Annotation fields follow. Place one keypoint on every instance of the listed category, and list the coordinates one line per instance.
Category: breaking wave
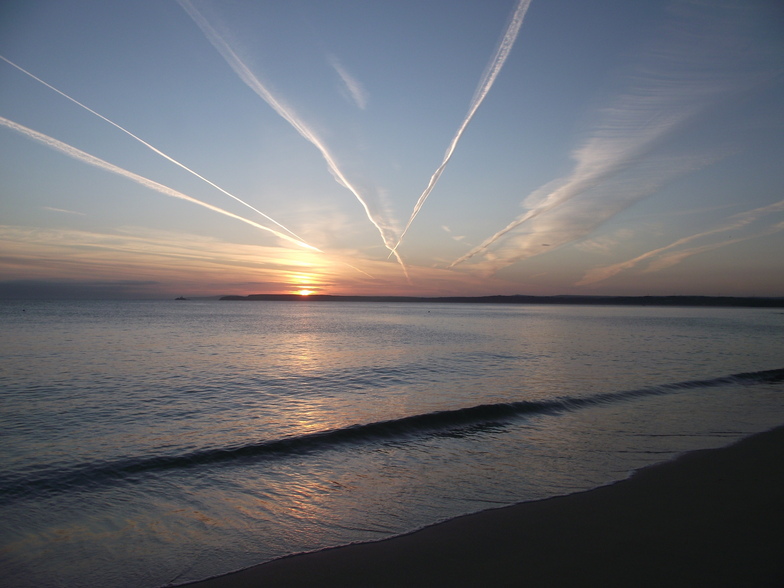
(448, 422)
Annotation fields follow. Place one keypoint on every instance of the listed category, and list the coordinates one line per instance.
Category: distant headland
(734, 301)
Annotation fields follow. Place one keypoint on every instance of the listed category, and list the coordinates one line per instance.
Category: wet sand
(712, 518)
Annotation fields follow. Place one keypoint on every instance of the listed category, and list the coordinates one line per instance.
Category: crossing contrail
(146, 144)
(287, 113)
(485, 83)
(80, 155)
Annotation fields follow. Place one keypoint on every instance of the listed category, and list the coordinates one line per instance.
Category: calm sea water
(153, 443)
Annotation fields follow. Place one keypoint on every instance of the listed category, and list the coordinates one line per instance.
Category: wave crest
(457, 422)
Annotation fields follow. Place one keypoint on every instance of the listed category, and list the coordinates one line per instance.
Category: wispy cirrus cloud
(449, 231)
(585, 212)
(673, 253)
(356, 91)
(185, 263)
(61, 210)
(687, 71)
(144, 255)
(604, 244)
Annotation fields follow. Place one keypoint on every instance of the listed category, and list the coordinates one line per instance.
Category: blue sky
(464, 147)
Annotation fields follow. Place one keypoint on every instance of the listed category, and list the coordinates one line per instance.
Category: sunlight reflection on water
(98, 387)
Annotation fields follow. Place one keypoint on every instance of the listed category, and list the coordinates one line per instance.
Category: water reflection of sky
(128, 381)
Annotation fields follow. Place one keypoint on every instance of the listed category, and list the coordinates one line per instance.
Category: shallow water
(147, 443)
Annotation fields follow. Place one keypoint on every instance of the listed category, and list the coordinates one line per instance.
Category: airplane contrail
(739, 221)
(485, 83)
(492, 239)
(146, 144)
(285, 112)
(567, 224)
(673, 85)
(605, 155)
(105, 165)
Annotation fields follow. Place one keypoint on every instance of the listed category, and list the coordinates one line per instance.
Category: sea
(155, 443)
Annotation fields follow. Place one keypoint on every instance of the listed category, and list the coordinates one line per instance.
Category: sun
(304, 292)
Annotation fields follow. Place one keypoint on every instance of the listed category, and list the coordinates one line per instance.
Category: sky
(159, 148)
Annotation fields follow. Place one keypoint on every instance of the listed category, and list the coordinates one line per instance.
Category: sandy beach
(710, 518)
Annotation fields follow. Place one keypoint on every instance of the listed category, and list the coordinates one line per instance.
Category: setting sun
(305, 292)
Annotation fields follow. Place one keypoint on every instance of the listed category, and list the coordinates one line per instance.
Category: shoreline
(711, 517)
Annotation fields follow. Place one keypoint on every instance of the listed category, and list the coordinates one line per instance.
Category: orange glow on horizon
(305, 292)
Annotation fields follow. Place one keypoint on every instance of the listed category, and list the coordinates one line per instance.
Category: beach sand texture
(712, 518)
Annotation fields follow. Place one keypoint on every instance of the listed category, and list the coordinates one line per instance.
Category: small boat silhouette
(181, 298)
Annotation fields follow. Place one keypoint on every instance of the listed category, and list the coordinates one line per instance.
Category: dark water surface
(147, 443)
